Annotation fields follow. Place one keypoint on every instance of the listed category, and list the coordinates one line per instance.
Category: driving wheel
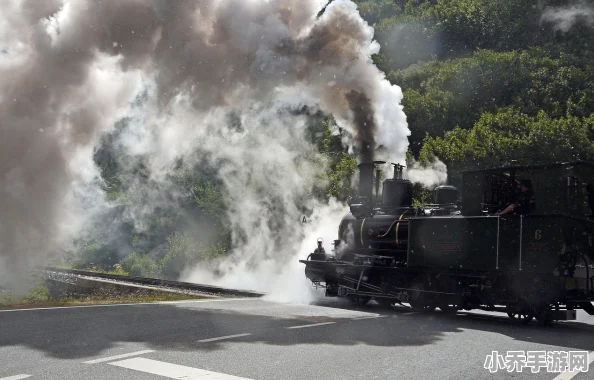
(521, 313)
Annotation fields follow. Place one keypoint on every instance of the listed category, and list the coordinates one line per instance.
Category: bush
(38, 293)
(117, 269)
(140, 265)
(184, 251)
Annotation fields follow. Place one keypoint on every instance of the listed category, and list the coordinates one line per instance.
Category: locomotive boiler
(380, 226)
(457, 254)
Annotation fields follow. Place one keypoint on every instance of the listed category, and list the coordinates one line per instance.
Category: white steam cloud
(435, 173)
(176, 71)
(566, 17)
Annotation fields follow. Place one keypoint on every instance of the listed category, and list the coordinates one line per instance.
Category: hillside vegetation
(484, 82)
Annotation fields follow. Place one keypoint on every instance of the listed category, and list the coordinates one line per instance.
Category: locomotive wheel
(417, 302)
(448, 309)
(524, 317)
(359, 300)
(544, 315)
(384, 302)
(422, 307)
(524, 314)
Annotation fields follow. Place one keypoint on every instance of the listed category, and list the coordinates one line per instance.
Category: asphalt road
(254, 339)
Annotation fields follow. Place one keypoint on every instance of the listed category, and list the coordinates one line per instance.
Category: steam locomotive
(455, 254)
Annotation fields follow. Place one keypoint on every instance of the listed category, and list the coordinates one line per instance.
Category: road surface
(259, 340)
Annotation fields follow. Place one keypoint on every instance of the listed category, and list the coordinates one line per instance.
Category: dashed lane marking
(172, 371)
(223, 338)
(571, 375)
(312, 325)
(116, 357)
(369, 317)
(127, 304)
(16, 377)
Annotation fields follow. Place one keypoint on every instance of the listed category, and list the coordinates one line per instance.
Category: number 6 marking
(538, 234)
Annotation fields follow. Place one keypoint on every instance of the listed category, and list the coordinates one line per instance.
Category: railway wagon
(461, 252)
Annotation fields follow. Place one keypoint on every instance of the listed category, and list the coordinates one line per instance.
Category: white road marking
(369, 317)
(126, 304)
(16, 377)
(116, 357)
(172, 371)
(312, 325)
(223, 338)
(570, 375)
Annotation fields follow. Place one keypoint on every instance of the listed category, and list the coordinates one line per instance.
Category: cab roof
(516, 166)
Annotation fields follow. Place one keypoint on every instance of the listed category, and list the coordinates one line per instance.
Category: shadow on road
(86, 332)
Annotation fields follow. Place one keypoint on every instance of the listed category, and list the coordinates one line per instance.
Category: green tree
(183, 251)
(139, 265)
(498, 138)
(441, 95)
(378, 10)
(211, 199)
(341, 166)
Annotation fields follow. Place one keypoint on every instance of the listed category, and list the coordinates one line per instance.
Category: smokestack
(366, 181)
(398, 171)
(377, 179)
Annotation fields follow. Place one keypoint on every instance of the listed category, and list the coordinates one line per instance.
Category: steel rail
(159, 282)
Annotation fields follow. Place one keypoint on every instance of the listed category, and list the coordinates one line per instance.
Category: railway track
(70, 275)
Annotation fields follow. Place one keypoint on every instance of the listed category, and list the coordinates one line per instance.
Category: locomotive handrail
(389, 229)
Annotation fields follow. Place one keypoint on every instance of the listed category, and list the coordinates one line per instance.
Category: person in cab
(319, 253)
(523, 203)
(320, 248)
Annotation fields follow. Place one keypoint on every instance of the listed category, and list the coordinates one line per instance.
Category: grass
(40, 296)
(117, 268)
(117, 271)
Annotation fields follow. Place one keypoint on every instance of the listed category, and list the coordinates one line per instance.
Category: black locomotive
(456, 254)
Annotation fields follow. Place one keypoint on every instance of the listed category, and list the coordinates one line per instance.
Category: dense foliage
(484, 81)
(458, 60)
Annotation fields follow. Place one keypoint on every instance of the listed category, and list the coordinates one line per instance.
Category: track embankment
(79, 281)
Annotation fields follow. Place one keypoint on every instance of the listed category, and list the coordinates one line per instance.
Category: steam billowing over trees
(484, 81)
